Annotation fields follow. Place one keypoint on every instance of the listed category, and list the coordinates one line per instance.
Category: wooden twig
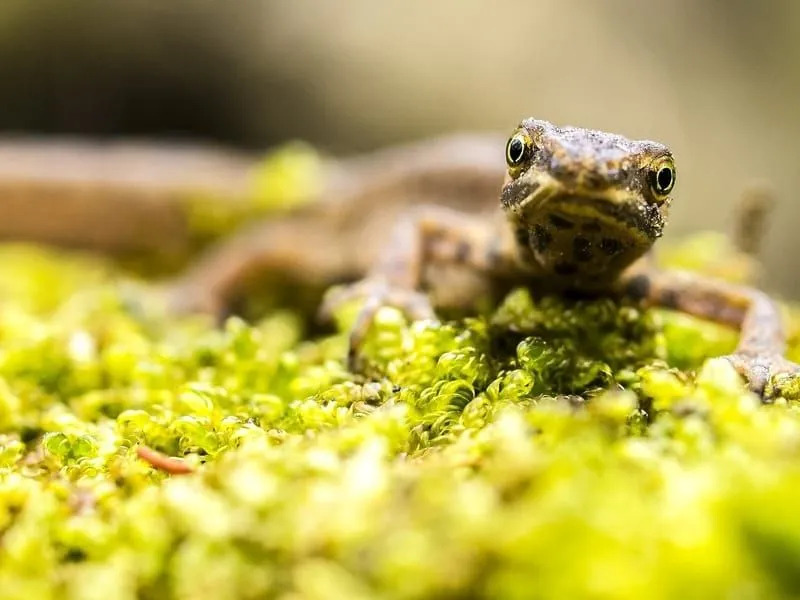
(162, 462)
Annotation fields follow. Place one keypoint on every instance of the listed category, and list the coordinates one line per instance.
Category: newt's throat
(587, 248)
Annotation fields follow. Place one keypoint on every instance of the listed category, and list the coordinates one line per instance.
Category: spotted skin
(581, 209)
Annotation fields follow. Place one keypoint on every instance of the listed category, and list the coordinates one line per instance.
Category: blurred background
(717, 80)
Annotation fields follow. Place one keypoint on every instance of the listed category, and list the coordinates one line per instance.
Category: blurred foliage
(552, 449)
(284, 178)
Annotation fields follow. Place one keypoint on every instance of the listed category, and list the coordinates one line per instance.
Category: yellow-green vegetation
(283, 178)
(551, 449)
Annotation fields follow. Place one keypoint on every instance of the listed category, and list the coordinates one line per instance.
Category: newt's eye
(518, 149)
(662, 178)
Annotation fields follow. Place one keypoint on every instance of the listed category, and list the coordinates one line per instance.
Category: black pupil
(664, 178)
(515, 150)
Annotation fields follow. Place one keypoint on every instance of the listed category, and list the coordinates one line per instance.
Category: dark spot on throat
(540, 238)
(560, 222)
(565, 268)
(611, 246)
(581, 249)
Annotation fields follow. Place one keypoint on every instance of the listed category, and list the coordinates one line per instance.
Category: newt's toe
(768, 376)
(375, 293)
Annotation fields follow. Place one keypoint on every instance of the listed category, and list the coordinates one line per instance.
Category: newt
(579, 210)
(572, 210)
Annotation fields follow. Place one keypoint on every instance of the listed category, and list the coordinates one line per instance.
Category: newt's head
(586, 203)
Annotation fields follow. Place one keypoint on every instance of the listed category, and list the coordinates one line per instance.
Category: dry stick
(162, 462)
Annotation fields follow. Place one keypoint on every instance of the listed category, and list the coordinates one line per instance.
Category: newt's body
(112, 197)
(579, 208)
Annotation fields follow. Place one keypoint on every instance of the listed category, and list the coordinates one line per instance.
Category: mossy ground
(548, 450)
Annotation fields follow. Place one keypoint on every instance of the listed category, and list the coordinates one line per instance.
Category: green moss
(552, 449)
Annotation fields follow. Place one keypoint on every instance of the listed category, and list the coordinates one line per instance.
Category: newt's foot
(766, 375)
(375, 293)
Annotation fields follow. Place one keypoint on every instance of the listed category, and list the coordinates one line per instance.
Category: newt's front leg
(423, 237)
(759, 356)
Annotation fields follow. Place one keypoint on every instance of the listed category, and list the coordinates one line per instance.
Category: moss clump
(491, 457)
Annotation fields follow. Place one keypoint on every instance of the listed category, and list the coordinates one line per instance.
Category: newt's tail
(754, 209)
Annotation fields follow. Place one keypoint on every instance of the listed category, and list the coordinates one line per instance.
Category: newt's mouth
(632, 217)
(619, 211)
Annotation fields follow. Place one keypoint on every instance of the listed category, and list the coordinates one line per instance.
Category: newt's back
(131, 197)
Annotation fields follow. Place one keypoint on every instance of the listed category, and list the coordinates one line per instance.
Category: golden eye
(662, 178)
(518, 149)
